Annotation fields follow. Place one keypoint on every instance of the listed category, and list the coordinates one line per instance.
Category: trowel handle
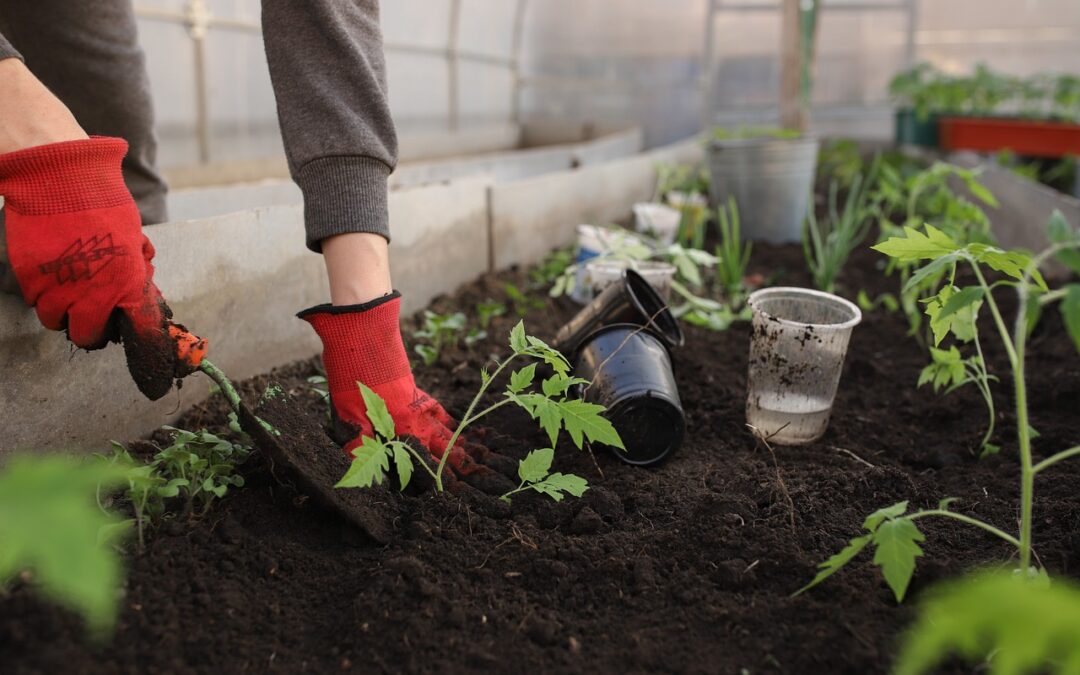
(190, 349)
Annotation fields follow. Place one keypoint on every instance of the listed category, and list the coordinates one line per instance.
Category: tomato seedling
(892, 531)
(535, 474)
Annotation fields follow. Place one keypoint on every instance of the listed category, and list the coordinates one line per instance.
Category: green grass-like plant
(828, 245)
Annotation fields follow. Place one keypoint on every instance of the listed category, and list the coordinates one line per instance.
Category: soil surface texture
(686, 567)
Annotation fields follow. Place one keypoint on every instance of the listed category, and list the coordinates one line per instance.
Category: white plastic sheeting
(597, 64)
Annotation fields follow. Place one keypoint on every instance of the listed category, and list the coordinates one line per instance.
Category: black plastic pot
(632, 300)
(630, 371)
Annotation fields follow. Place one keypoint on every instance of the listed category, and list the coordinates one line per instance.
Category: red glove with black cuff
(76, 246)
(362, 343)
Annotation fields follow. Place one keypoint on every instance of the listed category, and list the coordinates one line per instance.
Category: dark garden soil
(683, 568)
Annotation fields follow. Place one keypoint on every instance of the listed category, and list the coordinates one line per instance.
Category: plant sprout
(828, 245)
(892, 530)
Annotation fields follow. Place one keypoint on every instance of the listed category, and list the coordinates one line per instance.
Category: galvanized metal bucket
(770, 179)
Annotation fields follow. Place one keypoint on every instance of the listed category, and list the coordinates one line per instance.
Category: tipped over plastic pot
(797, 348)
(630, 373)
(630, 300)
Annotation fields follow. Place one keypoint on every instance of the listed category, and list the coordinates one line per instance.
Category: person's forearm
(358, 267)
(29, 113)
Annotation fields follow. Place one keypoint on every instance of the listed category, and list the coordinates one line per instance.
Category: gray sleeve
(329, 76)
(6, 50)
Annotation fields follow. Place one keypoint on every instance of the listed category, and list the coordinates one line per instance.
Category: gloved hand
(362, 343)
(77, 250)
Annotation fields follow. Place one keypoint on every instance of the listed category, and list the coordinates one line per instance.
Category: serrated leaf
(896, 551)
(51, 525)
(583, 420)
(1070, 312)
(403, 463)
(377, 412)
(536, 465)
(960, 322)
(918, 246)
(834, 563)
(931, 271)
(557, 483)
(518, 343)
(1026, 625)
(369, 466)
(874, 519)
(520, 380)
(961, 299)
(1060, 232)
(559, 384)
(545, 411)
(1011, 263)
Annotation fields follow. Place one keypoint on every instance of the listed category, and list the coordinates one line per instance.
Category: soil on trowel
(688, 567)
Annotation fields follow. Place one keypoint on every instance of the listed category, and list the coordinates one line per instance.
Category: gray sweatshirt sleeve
(329, 76)
(6, 50)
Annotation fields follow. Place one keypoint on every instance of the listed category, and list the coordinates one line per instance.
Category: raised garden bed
(687, 567)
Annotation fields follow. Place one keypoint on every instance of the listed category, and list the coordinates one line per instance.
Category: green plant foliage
(521, 301)
(1016, 624)
(828, 244)
(896, 541)
(51, 527)
(892, 530)
(840, 161)
(371, 459)
(733, 254)
(441, 331)
(535, 474)
(488, 310)
(552, 267)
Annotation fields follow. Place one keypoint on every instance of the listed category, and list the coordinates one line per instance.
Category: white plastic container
(680, 200)
(594, 241)
(657, 220)
(797, 348)
(600, 273)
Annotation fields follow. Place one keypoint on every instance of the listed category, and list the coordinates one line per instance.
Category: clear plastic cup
(594, 241)
(797, 348)
(659, 220)
(600, 273)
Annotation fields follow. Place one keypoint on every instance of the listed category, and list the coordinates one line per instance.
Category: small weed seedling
(827, 245)
(551, 407)
(440, 330)
(488, 310)
(319, 387)
(522, 302)
(551, 267)
(51, 529)
(535, 474)
(892, 530)
(196, 468)
(733, 255)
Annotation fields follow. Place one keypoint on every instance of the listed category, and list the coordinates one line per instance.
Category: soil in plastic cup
(631, 300)
(657, 220)
(601, 273)
(630, 374)
(797, 347)
(594, 241)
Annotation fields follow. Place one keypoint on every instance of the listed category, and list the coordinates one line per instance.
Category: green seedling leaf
(960, 321)
(559, 384)
(536, 465)
(583, 420)
(1060, 232)
(403, 463)
(377, 413)
(946, 370)
(959, 300)
(428, 354)
(989, 449)
(1070, 311)
(833, 564)
(896, 551)
(518, 341)
(931, 272)
(1017, 625)
(944, 504)
(557, 483)
(979, 190)
(369, 466)
(1011, 263)
(877, 517)
(51, 526)
(918, 246)
(520, 380)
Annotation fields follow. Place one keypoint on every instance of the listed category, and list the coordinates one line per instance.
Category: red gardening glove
(362, 343)
(76, 247)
